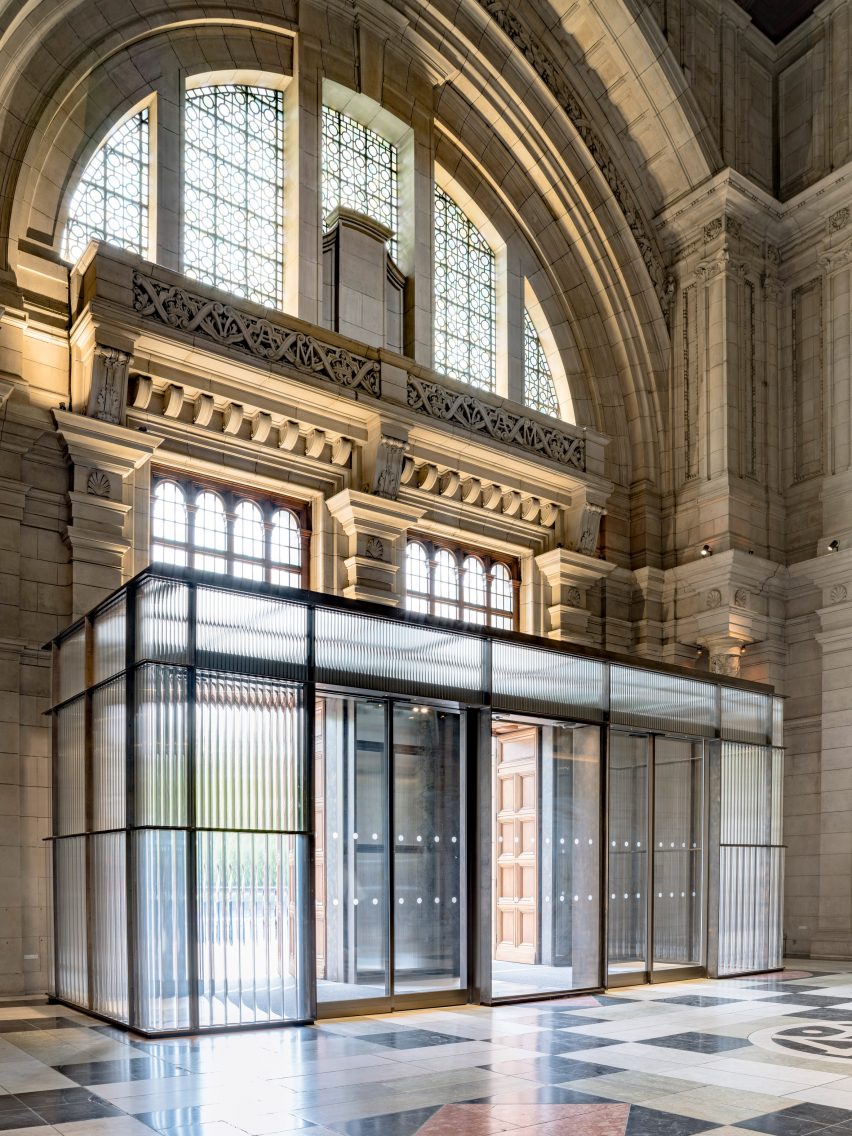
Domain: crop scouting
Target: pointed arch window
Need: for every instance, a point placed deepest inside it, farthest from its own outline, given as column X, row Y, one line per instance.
column 110, row 202
column 465, row 298
column 458, row 583
column 539, row 388
column 234, row 190
column 229, row 532
column 359, row 170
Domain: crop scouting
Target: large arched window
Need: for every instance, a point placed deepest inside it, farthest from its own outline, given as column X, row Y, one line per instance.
column 539, row 389
column 227, row 532
column 457, row 583
column 110, row 202
column 465, row 286
column 233, row 233
column 359, row 170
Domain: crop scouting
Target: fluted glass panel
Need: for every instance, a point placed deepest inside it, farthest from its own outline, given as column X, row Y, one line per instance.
column 398, row 657
column 776, row 818
column 678, row 852
column 250, row 632
column 745, row 802
column 72, row 664
column 109, row 747
column 71, row 925
column 161, row 916
column 525, row 678
column 110, row 640
column 250, row 761
column 629, row 761
column 108, row 887
column 746, row 715
column 161, row 746
column 251, row 904
column 162, row 618
column 777, row 721
column 71, row 769
column 662, row 701
column 751, row 882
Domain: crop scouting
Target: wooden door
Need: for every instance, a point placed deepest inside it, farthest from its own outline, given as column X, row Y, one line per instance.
column 515, row 858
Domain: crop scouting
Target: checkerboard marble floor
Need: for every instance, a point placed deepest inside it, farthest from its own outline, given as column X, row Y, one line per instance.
column 769, row 1054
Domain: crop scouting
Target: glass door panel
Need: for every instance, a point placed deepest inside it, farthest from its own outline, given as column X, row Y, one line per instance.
column 351, row 850
column 545, row 906
column 629, row 762
column 428, row 920
column 678, row 853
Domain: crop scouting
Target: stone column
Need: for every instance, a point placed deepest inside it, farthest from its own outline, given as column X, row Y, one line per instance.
column 107, row 460
column 376, row 529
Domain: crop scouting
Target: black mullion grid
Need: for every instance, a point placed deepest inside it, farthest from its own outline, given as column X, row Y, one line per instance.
column 88, row 805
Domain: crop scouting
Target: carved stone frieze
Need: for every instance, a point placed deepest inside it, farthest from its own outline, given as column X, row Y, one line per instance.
column 227, row 326
column 552, row 75
column 495, row 422
column 108, row 394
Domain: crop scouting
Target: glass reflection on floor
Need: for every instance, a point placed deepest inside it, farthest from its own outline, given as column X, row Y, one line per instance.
column 545, row 857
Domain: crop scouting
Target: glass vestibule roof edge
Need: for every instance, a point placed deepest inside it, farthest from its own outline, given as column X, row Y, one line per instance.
column 376, row 610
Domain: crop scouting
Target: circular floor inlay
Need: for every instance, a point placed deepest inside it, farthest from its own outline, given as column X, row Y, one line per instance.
column 810, row 1039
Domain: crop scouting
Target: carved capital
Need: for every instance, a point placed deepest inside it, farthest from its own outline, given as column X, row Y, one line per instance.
column 725, row 654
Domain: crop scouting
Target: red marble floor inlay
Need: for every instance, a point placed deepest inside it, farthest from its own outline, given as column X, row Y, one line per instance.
column 527, row 1120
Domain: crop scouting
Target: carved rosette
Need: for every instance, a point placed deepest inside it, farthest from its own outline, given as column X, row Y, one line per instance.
column 98, row 483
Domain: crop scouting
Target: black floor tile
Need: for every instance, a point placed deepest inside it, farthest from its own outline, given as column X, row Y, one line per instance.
column 609, row 1000
column 800, row 1120
column 698, row 1000
column 110, row 1072
column 651, row 1122
column 57, row 1106
column 564, row 1021
column 19, row 1118
column 818, row 1001
column 10, row 1103
column 17, row 1025
column 174, row 1119
column 697, row 1042
column 61, row 1023
column 541, row 1094
column 551, row 1070
column 824, row 1014
column 391, row 1124
column 567, row 1041
column 410, row 1039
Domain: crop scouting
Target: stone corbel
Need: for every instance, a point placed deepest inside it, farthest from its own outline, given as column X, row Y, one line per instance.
column 582, row 522
column 385, row 454
column 569, row 576
column 375, row 528
column 725, row 653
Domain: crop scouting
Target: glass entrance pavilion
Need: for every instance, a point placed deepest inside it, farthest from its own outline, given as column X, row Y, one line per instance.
column 272, row 805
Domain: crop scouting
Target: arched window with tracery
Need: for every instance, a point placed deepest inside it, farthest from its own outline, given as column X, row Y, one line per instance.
column 465, row 287
column 359, row 170
column 229, row 532
column 233, row 202
column 169, row 524
column 539, row 388
column 456, row 583
column 110, row 202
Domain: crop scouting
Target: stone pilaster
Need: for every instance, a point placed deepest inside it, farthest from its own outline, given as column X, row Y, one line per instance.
column 107, row 536
column 569, row 576
column 375, row 528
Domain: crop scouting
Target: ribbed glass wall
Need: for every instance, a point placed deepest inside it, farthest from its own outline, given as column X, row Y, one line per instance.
column 223, row 757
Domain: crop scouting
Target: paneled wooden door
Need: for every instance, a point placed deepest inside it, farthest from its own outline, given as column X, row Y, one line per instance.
column 515, row 855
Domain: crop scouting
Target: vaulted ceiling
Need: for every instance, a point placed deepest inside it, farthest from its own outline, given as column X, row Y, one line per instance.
column 777, row 18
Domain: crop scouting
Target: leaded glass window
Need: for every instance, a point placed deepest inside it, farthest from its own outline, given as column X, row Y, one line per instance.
column 227, row 532
column 111, row 201
column 457, row 583
column 233, row 233
column 359, row 171
column 465, row 297
column 539, row 391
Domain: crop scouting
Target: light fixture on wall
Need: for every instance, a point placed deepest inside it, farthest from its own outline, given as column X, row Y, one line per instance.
column 706, row 550
column 834, row 546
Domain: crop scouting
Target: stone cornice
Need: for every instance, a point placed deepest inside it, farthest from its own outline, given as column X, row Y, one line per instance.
column 103, row 444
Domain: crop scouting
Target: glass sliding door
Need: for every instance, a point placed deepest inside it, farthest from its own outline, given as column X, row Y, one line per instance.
column 545, row 858
column 656, row 923
column 390, row 896
column 678, row 854
column 627, row 923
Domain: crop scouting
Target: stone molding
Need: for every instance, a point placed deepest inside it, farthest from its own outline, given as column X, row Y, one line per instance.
column 550, row 73
column 495, row 422
column 228, row 326
column 375, row 528
column 473, row 491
